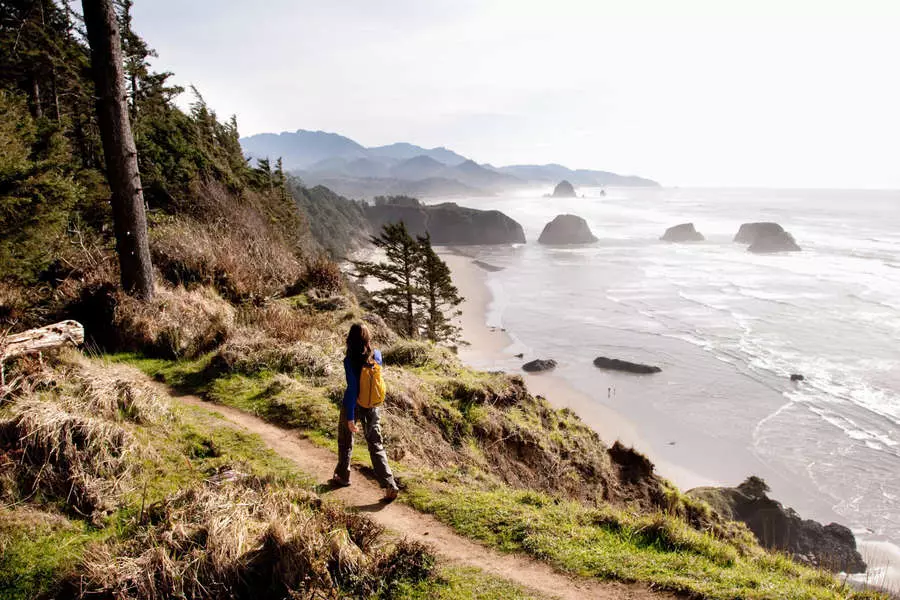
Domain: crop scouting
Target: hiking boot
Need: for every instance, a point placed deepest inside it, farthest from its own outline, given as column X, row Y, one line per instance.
column 391, row 494
column 337, row 482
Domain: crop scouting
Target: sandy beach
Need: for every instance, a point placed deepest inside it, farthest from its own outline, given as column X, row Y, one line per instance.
column 492, row 348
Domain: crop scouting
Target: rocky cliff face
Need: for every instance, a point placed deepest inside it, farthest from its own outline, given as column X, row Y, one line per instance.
column 829, row 546
column 564, row 189
column 449, row 223
column 682, row 233
column 566, row 229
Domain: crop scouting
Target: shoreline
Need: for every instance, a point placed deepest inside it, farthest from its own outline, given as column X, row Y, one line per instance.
column 492, row 348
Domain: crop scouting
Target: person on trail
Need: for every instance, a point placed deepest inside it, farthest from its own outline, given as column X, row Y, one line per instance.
column 355, row 418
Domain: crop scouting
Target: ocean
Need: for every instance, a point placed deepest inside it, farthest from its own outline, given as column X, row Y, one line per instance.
column 728, row 329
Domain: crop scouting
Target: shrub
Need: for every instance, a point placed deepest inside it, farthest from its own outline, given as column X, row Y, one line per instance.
column 322, row 273
column 408, row 353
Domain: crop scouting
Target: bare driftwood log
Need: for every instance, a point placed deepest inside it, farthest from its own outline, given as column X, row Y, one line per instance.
column 37, row 340
column 42, row 338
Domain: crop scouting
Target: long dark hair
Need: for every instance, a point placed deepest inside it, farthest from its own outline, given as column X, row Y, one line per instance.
column 359, row 345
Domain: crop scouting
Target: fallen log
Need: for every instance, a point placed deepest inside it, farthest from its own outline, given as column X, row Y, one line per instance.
column 42, row 338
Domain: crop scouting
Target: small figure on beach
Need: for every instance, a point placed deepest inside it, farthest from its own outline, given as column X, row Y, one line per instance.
column 355, row 416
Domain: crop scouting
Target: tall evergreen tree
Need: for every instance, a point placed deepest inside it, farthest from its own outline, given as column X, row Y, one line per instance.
column 439, row 296
column 398, row 300
column 129, row 216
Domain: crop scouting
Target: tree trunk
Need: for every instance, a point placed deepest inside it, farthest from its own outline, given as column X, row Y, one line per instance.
column 129, row 216
column 36, row 110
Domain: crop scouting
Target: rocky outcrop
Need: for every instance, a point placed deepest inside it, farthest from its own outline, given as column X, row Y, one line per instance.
column 566, row 229
column 449, row 223
column 682, row 233
column 765, row 238
column 615, row 364
column 778, row 242
column 539, row 365
column 831, row 546
column 749, row 232
column 564, row 189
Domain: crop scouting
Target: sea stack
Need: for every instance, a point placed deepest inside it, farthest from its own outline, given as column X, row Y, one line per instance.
column 749, row 232
column 682, row 233
column 566, row 229
column 766, row 238
column 564, row 189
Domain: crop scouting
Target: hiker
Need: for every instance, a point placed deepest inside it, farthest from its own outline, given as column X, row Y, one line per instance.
column 355, row 418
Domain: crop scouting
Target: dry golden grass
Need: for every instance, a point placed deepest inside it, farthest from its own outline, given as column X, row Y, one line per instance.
column 177, row 323
column 249, row 247
column 67, row 435
column 249, row 539
column 66, row 455
column 251, row 351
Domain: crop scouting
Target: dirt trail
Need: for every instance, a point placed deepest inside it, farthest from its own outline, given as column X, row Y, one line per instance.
column 365, row 494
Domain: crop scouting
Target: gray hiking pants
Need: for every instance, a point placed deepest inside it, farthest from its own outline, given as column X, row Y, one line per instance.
column 369, row 422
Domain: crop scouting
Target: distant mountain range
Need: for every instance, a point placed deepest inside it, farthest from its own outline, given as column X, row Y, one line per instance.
column 351, row 169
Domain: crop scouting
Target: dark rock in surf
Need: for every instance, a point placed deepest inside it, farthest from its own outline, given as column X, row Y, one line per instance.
column 682, row 233
column 778, row 242
column 565, row 230
column 831, row 546
column 797, row 377
column 539, row 365
column 564, row 189
column 615, row 364
column 749, row 232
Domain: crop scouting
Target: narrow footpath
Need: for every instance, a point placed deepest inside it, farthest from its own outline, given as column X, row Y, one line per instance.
column 364, row 495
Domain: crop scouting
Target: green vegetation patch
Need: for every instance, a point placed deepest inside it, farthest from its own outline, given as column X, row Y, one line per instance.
column 38, row 550
column 459, row 582
column 609, row 543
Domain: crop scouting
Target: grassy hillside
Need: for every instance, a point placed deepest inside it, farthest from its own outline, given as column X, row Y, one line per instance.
column 110, row 488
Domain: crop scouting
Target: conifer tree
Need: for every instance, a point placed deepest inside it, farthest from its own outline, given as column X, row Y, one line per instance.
column 129, row 216
column 439, row 297
column 398, row 300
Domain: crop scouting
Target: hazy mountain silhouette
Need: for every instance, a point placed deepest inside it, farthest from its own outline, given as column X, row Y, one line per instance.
column 403, row 151
column 349, row 168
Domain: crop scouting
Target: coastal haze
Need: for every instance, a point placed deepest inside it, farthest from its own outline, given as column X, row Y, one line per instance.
column 728, row 328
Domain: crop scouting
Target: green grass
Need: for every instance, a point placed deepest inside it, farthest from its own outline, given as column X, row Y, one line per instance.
column 609, row 544
column 458, row 582
column 37, row 552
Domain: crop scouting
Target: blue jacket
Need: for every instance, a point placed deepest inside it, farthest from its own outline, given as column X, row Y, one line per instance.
column 352, row 392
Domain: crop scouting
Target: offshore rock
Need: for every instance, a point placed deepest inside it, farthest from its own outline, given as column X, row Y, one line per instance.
column 566, row 229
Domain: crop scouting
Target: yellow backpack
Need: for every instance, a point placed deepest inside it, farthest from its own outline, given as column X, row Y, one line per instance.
column 371, row 386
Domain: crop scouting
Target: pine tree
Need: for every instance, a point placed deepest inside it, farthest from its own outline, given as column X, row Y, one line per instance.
column 398, row 300
column 129, row 217
column 439, row 296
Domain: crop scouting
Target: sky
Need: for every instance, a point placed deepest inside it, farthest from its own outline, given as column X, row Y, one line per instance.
column 762, row 93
